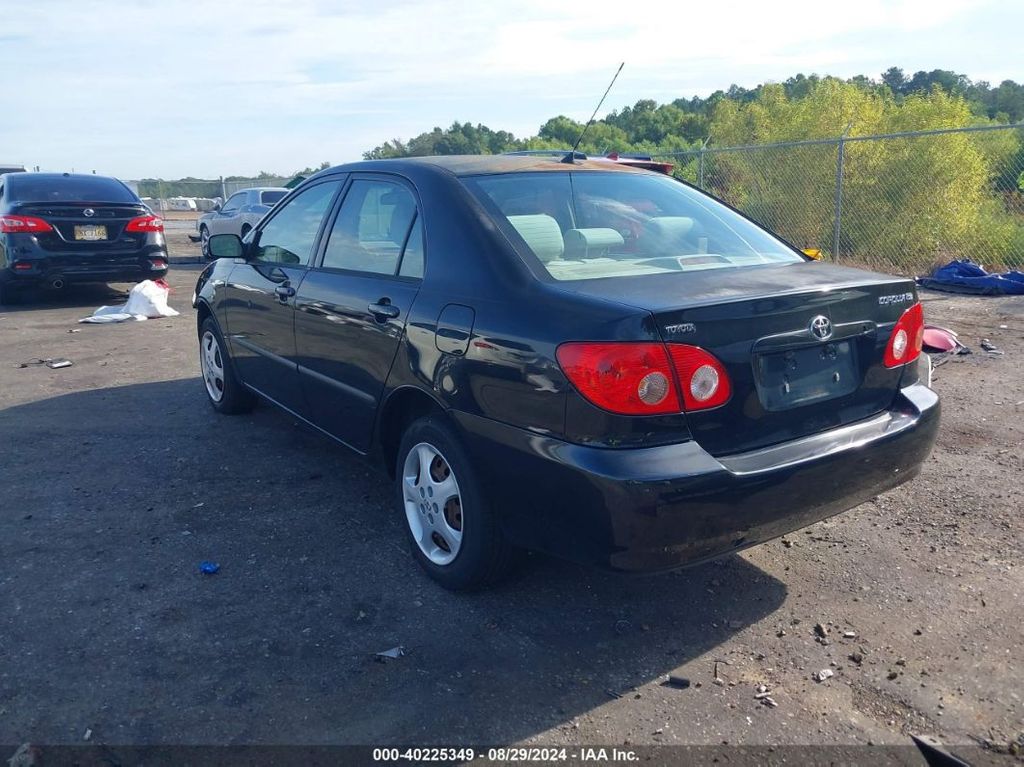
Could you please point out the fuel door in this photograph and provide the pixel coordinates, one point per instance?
(454, 328)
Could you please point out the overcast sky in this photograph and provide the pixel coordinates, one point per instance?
(147, 89)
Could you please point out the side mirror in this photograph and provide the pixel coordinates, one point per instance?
(216, 207)
(226, 246)
(814, 253)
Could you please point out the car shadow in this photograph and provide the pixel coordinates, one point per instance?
(114, 498)
(75, 295)
(70, 296)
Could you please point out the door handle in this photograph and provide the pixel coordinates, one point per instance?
(284, 292)
(384, 310)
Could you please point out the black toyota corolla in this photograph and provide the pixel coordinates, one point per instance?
(58, 228)
(598, 362)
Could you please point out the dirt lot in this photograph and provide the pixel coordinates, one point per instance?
(118, 480)
(177, 230)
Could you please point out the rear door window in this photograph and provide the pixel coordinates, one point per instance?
(371, 228)
(412, 256)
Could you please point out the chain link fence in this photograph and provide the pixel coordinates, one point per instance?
(195, 194)
(901, 202)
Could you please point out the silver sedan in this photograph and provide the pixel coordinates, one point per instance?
(239, 214)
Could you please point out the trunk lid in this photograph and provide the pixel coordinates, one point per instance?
(787, 381)
(102, 230)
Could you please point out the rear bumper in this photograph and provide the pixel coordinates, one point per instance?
(664, 507)
(33, 265)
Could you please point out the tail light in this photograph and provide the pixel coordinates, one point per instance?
(626, 378)
(702, 377)
(156, 264)
(145, 224)
(645, 378)
(23, 225)
(907, 337)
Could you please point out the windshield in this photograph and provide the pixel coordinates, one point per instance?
(587, 225)
(270, 198)
(32, 188)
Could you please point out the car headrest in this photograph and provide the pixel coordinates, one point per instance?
(590, 243)
(668, 231)
(542, 234)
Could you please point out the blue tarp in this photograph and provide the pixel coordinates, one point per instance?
(967, 277)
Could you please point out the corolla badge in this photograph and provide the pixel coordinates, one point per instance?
(899, 298)
(821, 328)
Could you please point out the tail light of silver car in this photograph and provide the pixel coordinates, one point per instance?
(645, 378)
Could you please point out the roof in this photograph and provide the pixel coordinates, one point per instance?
(55, 176)
(483, 164)
(261, 189)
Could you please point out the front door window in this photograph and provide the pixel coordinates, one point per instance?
(289, 236)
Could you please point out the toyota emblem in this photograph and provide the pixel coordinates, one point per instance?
(821, 328)
(88, 213)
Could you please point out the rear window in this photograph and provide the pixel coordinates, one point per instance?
(588, 225)
(32, 188)
(270, 198)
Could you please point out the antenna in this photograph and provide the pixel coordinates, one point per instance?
(571, 157)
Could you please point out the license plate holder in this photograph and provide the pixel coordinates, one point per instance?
(796, 377)
(90, 232)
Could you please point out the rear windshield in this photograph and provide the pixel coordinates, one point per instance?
(588, 224)
(269, 198)
(32, 188)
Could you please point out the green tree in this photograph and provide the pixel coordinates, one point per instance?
(923, 198)
(895, 79)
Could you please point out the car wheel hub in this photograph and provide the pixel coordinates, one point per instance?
(433, 503)
(212, 362)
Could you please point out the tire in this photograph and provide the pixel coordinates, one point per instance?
(204, 242)
(456, 539)
(224, 391)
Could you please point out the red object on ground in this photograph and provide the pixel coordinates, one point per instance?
(938, 339)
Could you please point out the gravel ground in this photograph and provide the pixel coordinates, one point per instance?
(179, 246)
(119, 480)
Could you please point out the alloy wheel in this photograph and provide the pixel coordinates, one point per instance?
(433, 503)
(212, 362)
